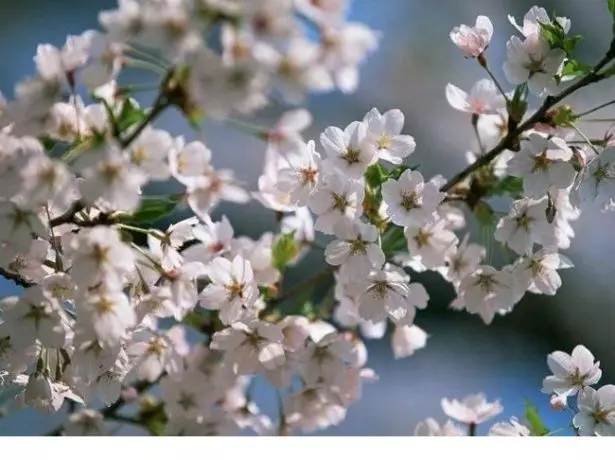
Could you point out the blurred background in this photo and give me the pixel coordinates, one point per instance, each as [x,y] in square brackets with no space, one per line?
[416,59]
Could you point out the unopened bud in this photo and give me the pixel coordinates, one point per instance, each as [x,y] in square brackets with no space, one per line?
[558,402]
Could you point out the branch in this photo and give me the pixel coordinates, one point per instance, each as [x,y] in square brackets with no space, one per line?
[538,116]
[17,279]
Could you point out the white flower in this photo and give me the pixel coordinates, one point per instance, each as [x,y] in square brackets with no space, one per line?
[314,408]
[356,248]
[214,240]
[463,261]
[384,131]
[205,192]
[533,20]
[486,292]
[47,181]
[299,172]
[511,428]
[539,271]
[296,331]
[285,135]
[432,243]
[183,393]
[251,348]
[269,194]
[346,314]
[46,395]
[152,353]
[409,200]
[344,49]
[219,88]
[325,358]
[233,289]
[350,151]
[542,164]
[189,162]
[86,422]
[105,315]
[473,409]
[386,293]
[596,411]
[407,339]
[109,176]
[336,199]
[484,98]
[430,427]
[36,315]
[571,373]
[17,225]
[259,254]
[298,70]
[473,41]
[525,225]
[150,152]
[98,254]
[533,61]
[599,178]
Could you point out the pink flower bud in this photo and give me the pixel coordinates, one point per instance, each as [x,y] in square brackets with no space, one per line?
[473,41]
[558,402]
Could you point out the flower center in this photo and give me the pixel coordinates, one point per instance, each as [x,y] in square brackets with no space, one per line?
[340,202]
[235,289]
[351,156]
[410,200]
[384,142]
[541,163]
[422,238]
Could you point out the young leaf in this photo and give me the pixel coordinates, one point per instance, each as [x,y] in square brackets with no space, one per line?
[484,214]
[537,426]
[375,175]
[393,240]
[284,250]
[510,186]
[153,209]
[130,115]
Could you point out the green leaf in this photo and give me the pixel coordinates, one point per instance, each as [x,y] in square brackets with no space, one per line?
[153,209]
[509,186]
[485,215]
[555,35]
[398,171]
[284,250]
[393,240]
[375,175]
[574,68]
[517,106]
[537,426]
[611,5]
[130,115]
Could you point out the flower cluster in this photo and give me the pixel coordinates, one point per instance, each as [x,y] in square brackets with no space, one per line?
[573,375]
[110,303]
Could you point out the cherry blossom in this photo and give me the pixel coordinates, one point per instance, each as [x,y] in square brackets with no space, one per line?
[571,373]
[596,411]
[484,98]
[472,410]
[473,41]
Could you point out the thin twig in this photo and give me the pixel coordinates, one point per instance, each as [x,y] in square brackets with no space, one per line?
[595,109]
